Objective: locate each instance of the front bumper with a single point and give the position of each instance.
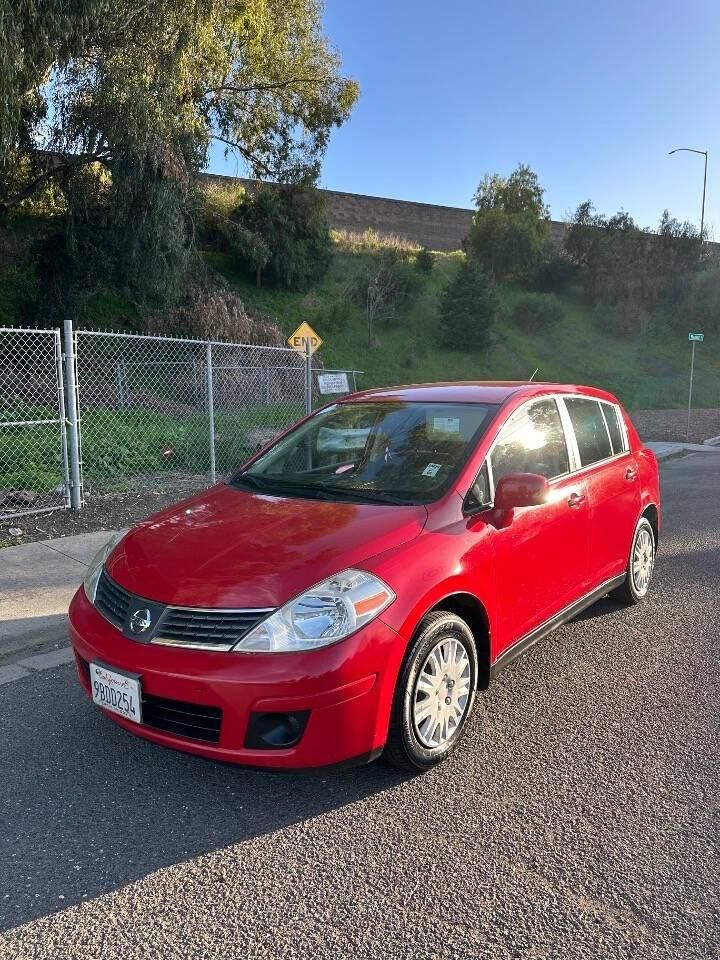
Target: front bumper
(346, 689)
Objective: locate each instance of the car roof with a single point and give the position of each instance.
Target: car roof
(474, 391)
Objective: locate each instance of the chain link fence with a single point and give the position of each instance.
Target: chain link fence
(139, 410)
(161, 409)
(149, 410)
(33, 442)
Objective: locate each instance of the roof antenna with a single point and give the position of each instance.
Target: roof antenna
(533, 374)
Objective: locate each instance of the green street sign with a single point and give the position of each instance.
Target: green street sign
(696, 336)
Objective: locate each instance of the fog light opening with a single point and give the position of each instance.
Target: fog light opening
(275, 731)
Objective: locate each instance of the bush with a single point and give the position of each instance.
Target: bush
(424, 260)
(282, 234)
(468, 308)
(554, 275)
(621, 319)
(536, 311)
(702, 308)
(333, 316)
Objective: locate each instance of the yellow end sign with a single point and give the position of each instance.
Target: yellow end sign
(303, 336)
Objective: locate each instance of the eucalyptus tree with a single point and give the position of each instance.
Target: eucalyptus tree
(141, 90)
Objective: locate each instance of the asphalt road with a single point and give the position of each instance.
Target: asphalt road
(579, 819)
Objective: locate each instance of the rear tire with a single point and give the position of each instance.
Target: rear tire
(640, 566)
(434, 695)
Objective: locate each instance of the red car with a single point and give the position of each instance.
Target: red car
(347, 592)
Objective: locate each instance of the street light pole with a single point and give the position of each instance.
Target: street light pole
(703, 153)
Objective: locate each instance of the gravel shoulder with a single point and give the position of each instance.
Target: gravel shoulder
(111, 511)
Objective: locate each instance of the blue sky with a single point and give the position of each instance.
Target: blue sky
(591, 94)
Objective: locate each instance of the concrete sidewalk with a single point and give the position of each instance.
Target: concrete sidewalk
(665, 450)
(37, 581)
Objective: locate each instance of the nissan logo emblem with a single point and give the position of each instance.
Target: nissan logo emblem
(140, 621)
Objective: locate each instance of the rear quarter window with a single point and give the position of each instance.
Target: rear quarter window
(612, 418)
(591, 433)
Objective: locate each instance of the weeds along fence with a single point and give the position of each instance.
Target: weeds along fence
(89, 412)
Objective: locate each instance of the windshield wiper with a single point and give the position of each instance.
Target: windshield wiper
(355, 493)
(281, 487)
(248, 479)
(322, 491)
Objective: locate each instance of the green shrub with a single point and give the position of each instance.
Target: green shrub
(424, 260)
(282, 234)
(702, 308)
(536, 311)
(334, 316)
(468, 308)
(554, 275)
(621, 319)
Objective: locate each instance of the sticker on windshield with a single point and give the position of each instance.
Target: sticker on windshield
(431, 470)
(446, 424)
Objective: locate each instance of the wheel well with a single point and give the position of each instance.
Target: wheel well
(468, 607)
(651, 515)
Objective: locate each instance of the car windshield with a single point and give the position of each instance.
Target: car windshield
(383, 452)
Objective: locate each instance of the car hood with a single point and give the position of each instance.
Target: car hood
(227, 547)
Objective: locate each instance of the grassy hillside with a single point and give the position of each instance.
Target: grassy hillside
(647, 371)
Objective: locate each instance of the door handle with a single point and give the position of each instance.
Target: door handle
(631, 473)
(575, 499)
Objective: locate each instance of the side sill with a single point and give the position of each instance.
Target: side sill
(530, 639)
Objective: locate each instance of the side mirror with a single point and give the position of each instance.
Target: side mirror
(520, 490)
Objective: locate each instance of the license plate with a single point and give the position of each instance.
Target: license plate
(116, 691)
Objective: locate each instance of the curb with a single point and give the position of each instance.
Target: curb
(672, 454)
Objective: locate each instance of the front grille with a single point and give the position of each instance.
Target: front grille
(191, 720)
(112, 600)
(220, 628)
(177, 626)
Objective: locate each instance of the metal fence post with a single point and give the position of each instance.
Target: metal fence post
(72, 413)
(308, 377)
(63, 416)
(211, 408)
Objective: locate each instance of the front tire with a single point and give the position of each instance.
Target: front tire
(641, 564)
(434, 695)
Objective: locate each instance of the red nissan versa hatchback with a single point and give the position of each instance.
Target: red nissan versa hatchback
(348, 591)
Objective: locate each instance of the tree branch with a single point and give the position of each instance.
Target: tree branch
(250, 157)
(69, 164)
(263, 87)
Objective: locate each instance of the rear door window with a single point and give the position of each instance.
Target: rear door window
(612, 418)
(591, 433)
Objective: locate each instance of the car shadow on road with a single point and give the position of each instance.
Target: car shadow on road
(601, 608)
(87, 808)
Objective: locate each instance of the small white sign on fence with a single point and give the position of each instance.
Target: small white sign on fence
(333, 383)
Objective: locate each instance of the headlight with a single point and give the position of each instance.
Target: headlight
(93, 572)
(326, 613)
